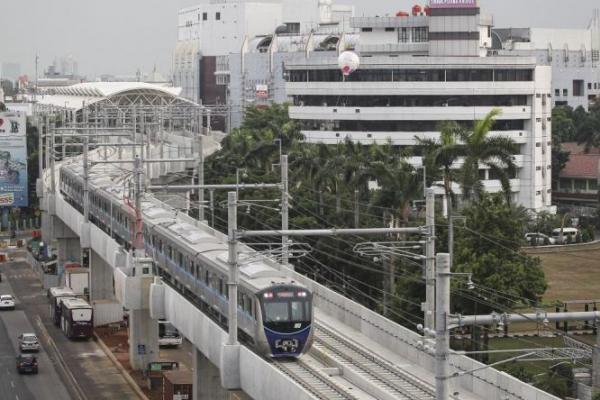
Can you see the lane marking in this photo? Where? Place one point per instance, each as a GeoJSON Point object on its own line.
{"type": "Point", "coordinates": [12, 384]}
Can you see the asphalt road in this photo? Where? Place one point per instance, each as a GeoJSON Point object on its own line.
{"type": "Point", "coordinates": [44, 385]}
{"type": "Point", "coordinates": [81, 361]}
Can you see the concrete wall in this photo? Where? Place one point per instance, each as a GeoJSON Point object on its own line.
{"type": "Point", "coordinates": [489, 383]}
{"type": "Point", "coordinates": [101, 279]}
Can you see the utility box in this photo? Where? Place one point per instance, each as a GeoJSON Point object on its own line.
{"type": "Point", "coordinates": [177, 385]}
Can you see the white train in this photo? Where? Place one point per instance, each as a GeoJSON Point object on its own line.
{"type": "Point", "coordinates": [275, 313]}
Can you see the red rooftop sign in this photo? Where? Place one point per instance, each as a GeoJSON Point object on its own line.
{"type": "Point", "coordinates": [452, 3]}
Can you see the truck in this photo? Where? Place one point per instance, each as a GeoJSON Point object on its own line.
{"type": "Point", "coordinates": [107, 312]}
{"type": "Point", "coordinates": [77, 280]}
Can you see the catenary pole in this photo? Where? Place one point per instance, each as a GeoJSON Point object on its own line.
{"type": "Point", "coordinates": [442, 334]}
{"type": "Point", "coordinates": [430, 259]}
{"type": "Point", "coordinates": [284, 209]}
{"type": "Point", "coordinates": [233, 267]}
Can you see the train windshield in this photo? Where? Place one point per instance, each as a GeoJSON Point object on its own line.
{"type": "Point", "coordinates": [290, 305]}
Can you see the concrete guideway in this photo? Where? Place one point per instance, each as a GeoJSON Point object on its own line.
{"type": "Point", "coordinates": [242, 368]}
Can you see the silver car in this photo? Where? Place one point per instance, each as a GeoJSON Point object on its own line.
{"type": "Point", "coordinates": [28, 342]}
{"type": "Point", "coordinates": [7, 302]}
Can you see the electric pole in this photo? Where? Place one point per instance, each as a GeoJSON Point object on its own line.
{"type": "Point", "coordinates": [200, 175]}
{"type": "Point", "coordinates": [430, 260]}
{"type": "Point", "coordinates": [442, 334]}
{"type": "Point", "coordinates": [233, 267]}
{"type": "Point", "coordinates": [284, 209]}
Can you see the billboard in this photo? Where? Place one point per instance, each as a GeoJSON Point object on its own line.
{"type": "Point", "coordinates": [13, 160]}
{"type": "Point", "coordinates": [452, 3]}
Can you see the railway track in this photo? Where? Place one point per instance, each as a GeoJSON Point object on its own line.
{"type": "Point", "coordinates": [390, 381]}
{"type": "Point", "coordinates": [316, 382]}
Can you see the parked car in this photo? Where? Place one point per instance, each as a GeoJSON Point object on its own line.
{"type": "Point", "coordinates": [7, 302]}
{"type": "Point", "coordinates": [539, 239]}
{"type": "Point", "coordinates": [565, 235]}
{"type": "Point", "coordinates": [27, 363]}
{"type": "Point", "coordinates": [28, 342]}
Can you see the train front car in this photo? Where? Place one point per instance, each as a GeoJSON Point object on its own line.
{"type": "Point", "coordinates": [286, 320]}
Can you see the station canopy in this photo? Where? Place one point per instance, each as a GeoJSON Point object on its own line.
{"type": "Point", "coordinates": [117, 94]}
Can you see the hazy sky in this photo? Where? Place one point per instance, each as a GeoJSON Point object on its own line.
{"type": "Point", "coordinates": [119, 36]}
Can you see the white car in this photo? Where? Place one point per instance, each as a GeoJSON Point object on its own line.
{"type": "Point", "coordinates": [539, 239]}
{"type": "Point", "coordinates": [28, 342]}
{"type": "Point", "coordinates": [7, 302]}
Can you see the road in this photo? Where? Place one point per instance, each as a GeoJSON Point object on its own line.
{"type": "Point", "coordinates": [46, 384]}
{"type": "Point", "coordinates": [82, 362]}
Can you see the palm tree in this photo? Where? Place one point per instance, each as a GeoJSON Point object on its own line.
{"type": "Point", "coordinates": [440, 155]}
{"type": "Point", "coordinates": [307, 166]}
{"type": "Point", "coordinates": [496, 153]}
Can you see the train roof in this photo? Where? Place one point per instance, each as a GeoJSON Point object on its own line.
{"type": "Point", "coordinates": [257, 271]}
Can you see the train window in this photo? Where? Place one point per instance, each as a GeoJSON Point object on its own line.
{"type": "Point", "coordinates": [297, 311]}
{"type": "Point", "coordinates": [207, 277]}
{"type": "Point", "coordinates": [221, 289]}
{"type": "Point", "coordinates": [169, 253]}
{"type": "Point", "coordinates": [277, 311]}
{"type": "Point", "coordinates": [198, 270]}
{"type": "Point", "coordinates": [180, 260]}
{"type": "Point", "coordinates": [248, 305]}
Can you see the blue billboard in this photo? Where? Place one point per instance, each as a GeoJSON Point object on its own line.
{"type": "Point", "coordinates": [13, 160]}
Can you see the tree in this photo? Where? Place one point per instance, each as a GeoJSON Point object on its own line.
{"type": "Point", "coordinates": [489, 249]}
{"type": "Point", "coordinates": [588, 127]}
{"type": "Point", "coordinates": [563, 126]}
{"type": "Point", "coordinates": [495, 153]}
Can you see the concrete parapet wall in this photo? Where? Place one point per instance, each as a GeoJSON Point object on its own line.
{"type": "Point", "coordinates": [488, 383]}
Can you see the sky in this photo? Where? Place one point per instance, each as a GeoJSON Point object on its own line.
{"type": "Point", "coordinates": [120, 36]}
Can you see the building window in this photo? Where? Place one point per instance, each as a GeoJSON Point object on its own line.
{"type": "Point", "coordinates": [218, 16]}
{"type": "Point", "coordinates": [580, 185]}
{"type": "Point", "coordinates": [578, 88]}
{"type": "Point", "coordinates": [590, 85]}
{"type": "Point", "coordinates": [390, 29]}
{"type": "Point", "coordinates": [556, 92]}
{"type": "Point", "coordinates": [403, 33]}
{"type": "Point", "coordinates": [420, 34]}
{"type": "Point", "coordinates": [366, 29]}
{"type": "Point", "coordinates": [204, 16]}
{"type": "Point", "coordinates": [565, 92]}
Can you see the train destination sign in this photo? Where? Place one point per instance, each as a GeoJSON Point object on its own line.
{"type": "Point", "coordinates": [452, 3]}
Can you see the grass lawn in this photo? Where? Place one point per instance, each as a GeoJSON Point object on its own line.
{"type": "Point", "coordinates": [523, 343]}
{"type": "Point", "coordinates": [573, 275]}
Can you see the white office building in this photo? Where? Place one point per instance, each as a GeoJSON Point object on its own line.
{"type": "Point", "coordinates": [209, 32]}
{"type": "Point", "coordinates": [417, 71]}
{"type": "Point", "coordinates": [573, 54]}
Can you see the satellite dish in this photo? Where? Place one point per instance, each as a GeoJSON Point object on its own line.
{"type": "Point", "coordinates": [348, 62]}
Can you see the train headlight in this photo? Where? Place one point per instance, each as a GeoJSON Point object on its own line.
{"type": "Point", "coordinates": [268, 295]}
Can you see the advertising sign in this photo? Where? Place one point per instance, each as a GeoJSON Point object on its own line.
{"type": "Point", "coordinates": [13, 160]}
{"type": "Point", "coordinates": [452, 3]}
